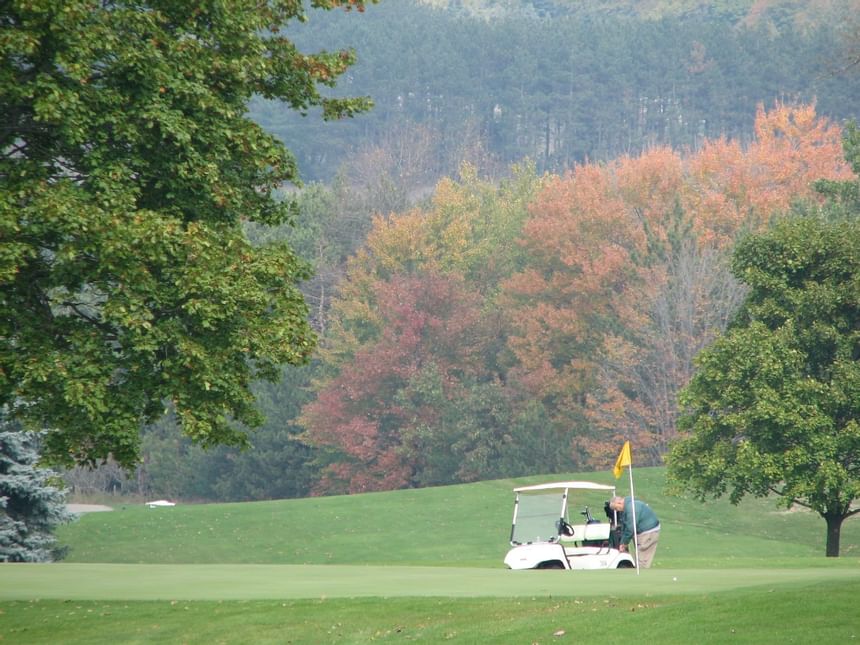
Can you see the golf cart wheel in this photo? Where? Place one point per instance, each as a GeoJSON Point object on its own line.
{"type": "Point", "coordinates": [625, 564]}
{"type": "Point", "coordinates": [552, 564]}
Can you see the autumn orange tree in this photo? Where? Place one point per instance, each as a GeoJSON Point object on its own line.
{"type": "Point", "coordinates": [627, 280]}
{"type": "Point", "coordinates": [736, 188]}
{"type": "Point", "coordinates": [591, 241]}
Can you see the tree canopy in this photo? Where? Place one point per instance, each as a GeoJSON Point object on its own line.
{"type": "Point", "coordinates": [450, 348]}
{"type": "Point", "coordinates": [580, 301]}
{"type": "Point", "coordinates": [128, 169]}
{"type": "Point", "coordinates": [773, 407]}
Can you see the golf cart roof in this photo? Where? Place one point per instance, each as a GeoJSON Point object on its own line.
{"type": "Point", "coordinates": [564, 485]}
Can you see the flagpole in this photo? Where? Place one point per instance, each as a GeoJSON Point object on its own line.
{"type": "Point", "coordinates": [626, 459]}
{"type": "Point", "coordinates": [633, 509]}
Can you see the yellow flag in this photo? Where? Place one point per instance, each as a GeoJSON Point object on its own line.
{"type": "Point", "coordinates": [623, 460]}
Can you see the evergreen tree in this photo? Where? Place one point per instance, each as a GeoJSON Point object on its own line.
{"type": "Point", "coordinates": [30, 505]}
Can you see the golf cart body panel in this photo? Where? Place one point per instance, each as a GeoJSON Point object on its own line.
{"type": "Point", "coordinates": [548, 555]}
{"type": "Point", "coordinates": [542, 536]}
{"type": "Point", "coordinates": [543, 555]}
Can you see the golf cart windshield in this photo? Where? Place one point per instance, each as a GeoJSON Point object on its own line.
{"type": "Point", "coordinates": [537, 517]}
{"type": "Point", "coordinates": [539, 508]}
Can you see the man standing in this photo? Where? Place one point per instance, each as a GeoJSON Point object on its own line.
{"type": "Point", "coordinates": [647, 528]}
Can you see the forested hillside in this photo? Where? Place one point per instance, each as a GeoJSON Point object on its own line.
{"type": "Point", "coordinates": [748, 11]}
{"type": "Point", "coordinates": [593, 81]}
{"type": "Point", "coordinates": [519, 251]}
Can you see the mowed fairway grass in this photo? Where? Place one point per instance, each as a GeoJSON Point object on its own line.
{"type": "Point", "coordinates": [426, 566]}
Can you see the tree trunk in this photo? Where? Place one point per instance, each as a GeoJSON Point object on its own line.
{"type": "Point", "coordinates": [834, 525]}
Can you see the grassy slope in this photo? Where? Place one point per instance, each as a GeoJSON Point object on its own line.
{"type": "Point", "coordinates": [747, 574]}
{"type": "Point", "coordinates": [464, 525]}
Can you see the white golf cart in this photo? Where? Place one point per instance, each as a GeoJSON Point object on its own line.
{"type": "Point", "coordinates": [543, 537]}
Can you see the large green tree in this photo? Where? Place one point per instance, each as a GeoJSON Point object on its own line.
{"type": "Point", "coordinates": [128, 168]}
{"type": "Point", "coordinates": [774, 407]}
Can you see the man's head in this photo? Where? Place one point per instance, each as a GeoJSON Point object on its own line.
{"type": "Point", "coordinates": [617, 504]}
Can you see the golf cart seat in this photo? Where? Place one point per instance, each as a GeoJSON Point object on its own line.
{"type": "Point", "coordinates": [588, 532]}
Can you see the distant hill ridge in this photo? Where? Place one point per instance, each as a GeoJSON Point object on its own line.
{"type": "Point", "coordinates": [800, 12]}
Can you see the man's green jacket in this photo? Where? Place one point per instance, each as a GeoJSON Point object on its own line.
{"type": "Point", "coordinates": [645, 519]}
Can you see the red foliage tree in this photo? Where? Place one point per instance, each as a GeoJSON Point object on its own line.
{"type": "Point", "coordinates": [364, 418]}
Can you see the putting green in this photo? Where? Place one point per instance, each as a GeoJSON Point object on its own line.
{"type": "Point", "coordinates": [245, 582]}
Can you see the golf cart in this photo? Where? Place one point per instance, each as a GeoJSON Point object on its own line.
{"type": "Point", "coordinates": [543, 536]}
